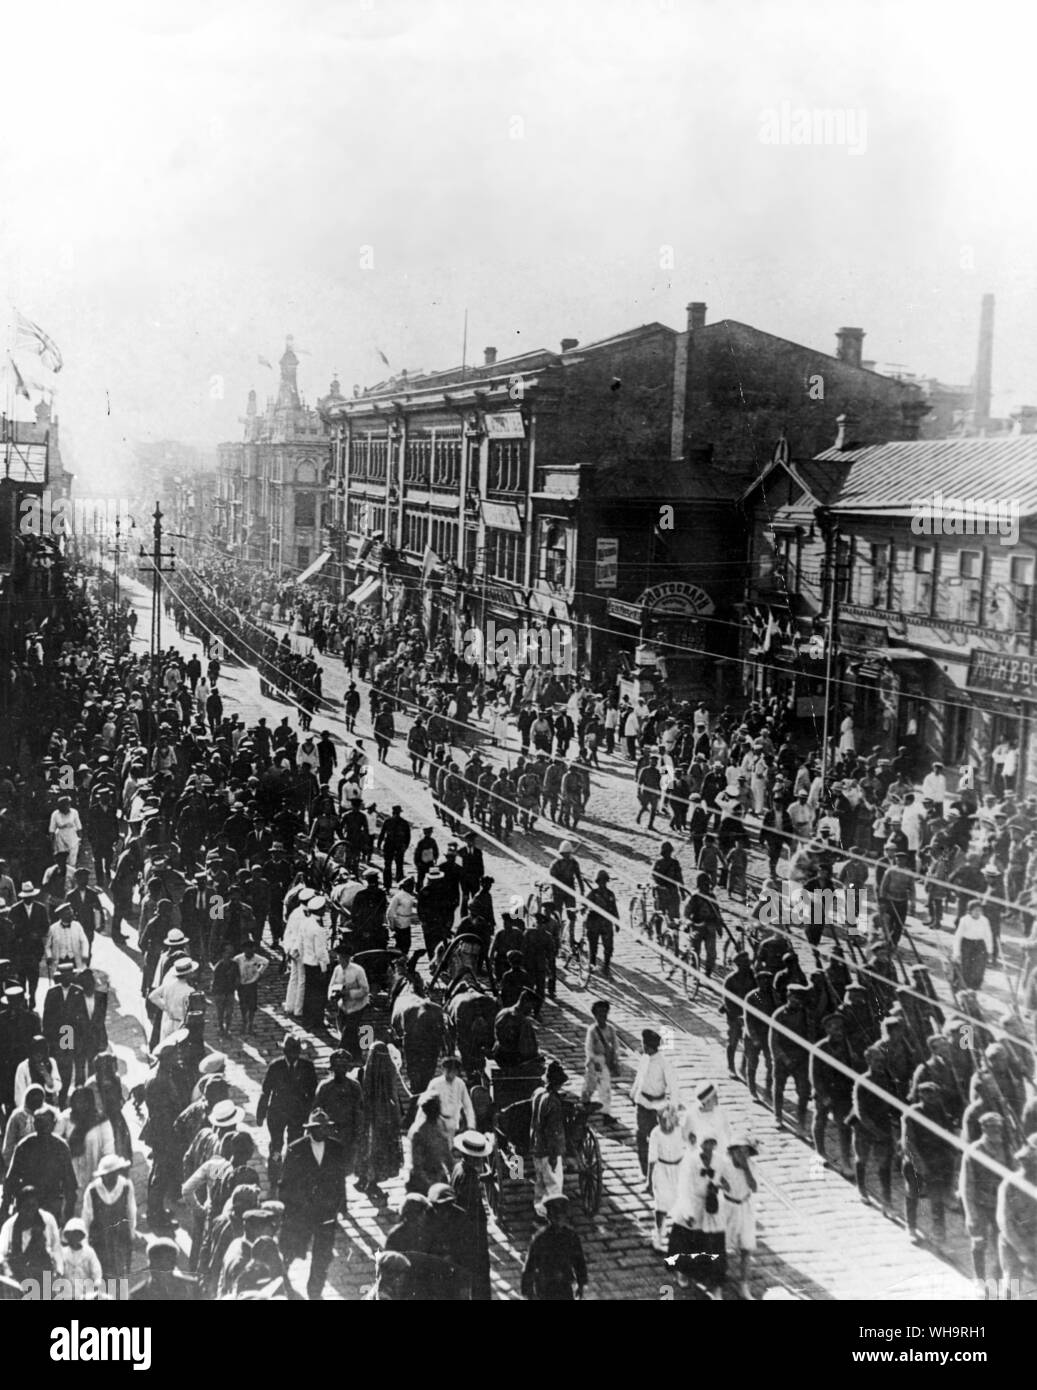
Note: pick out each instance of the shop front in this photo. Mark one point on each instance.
(1002, 693)
(664, 632)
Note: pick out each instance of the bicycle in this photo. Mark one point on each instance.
(574, 960)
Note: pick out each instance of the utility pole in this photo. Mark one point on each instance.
(831, 577)
(115, 577)
(157, 558)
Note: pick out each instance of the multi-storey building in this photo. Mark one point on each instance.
(917, 559)
(272, 484)
(594, 489)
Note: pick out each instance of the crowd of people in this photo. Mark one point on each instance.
(232, 853)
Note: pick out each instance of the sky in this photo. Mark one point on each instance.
(186, 184)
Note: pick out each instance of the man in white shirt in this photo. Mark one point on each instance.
(172, 995)
(912, 821)
(296, 915)
(350, 989)
(934, 788)
(655, 1085)
(455, 1104)
(801, 816)
(66, 940)
(315, 959)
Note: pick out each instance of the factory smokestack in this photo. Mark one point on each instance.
(984, 364)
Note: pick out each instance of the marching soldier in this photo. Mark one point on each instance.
(833, 1089)
(791, 1060)
(738, 983)
(873, 1121)
(758, 1032)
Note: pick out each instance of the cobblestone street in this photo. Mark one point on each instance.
(817, 1240)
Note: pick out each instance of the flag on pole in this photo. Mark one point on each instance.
(264, 363)
(32, 337)
(19, 381)
(430, 562)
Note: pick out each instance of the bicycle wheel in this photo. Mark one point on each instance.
(581, 964)
(692, 975)
(637, 914)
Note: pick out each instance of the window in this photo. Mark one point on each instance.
(1022, 593)
(305, 509)
(417, 461)
(970, 572)
(446, 458)
(879, 596)
(370, 452)
(843, 569)
(444, 537)
(415, 529)
(507, 471)
(553, 559)
(919, 580)
(504, 556)
(471, 549)
(302, 556)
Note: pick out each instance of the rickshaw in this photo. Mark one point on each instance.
(511, 1152)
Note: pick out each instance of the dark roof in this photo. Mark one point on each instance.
(892, 477)
(536, 358)
(910, 388)
(681, 482)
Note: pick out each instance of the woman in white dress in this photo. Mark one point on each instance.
(666, 1150)
(740, 1207)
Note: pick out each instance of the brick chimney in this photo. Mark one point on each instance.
(569, 343)
(489, 356)
(696, 316)
(849, 345)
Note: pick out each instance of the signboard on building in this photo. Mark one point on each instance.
(606, 563)
(505, 424)
(1012, 676)
(625, 612)
(502, 516)
(678, 598)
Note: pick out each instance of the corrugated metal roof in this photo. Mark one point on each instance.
(893, 477)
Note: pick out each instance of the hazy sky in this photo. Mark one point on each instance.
(185, 183)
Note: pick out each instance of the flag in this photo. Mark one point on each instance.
(430, 562)
(773, 630)
(19, 382)
(32, 337)
(264, 363)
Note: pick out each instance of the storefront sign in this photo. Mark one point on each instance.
(861, 637)
(677, 598)
(1014, 676)
(505, 424)
(509, 599)
(625, 612)
(502, 516)
(606, 563)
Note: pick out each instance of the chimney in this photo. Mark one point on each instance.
(696, 316)
(849, 345)
(984, 364)
(489, 357)
(569, 343)
(911, 413)
(1024, 420)
(844, 425)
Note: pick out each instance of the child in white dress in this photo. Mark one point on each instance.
(740, 1206)
(666, 1148)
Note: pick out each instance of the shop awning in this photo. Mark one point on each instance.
(365, 591)
(897, 654)
(318, 564)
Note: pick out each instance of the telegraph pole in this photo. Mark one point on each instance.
(158, 567)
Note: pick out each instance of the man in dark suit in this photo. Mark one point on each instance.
(165, 1283)
(43, 1161)
(66, 1026)
(313, 1189)
(96, 1039)
(87, 908)
(18, 1026)
(288, 1090)
(30, 923)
